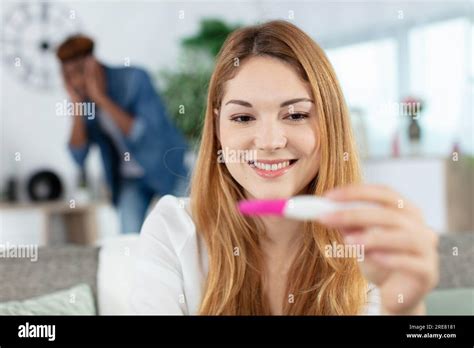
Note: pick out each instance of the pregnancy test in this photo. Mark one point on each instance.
(305, 207)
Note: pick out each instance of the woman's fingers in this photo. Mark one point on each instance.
(377, 194)
(406, 263)
(379, 239)
(421, 241)
(366, 217)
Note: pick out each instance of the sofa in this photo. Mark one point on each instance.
(108, 272)
(106, 269)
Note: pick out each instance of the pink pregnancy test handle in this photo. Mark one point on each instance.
(262, 207)
(305, 207)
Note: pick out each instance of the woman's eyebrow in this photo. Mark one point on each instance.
(294, 101)
(286, 103)
(239, 102)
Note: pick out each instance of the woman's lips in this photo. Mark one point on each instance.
(265, 173)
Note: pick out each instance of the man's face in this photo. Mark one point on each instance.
(74, 75)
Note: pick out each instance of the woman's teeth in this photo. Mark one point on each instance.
(271, 167)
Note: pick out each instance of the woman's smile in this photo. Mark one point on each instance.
(270, 169)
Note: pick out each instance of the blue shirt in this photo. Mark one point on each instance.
(154, 142)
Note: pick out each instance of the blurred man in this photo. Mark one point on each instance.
(142, 152)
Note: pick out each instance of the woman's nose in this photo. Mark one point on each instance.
(270, 136)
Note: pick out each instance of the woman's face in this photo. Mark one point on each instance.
(268, 111)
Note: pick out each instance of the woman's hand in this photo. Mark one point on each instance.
(401, 256)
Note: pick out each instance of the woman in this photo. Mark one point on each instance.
(273, 93)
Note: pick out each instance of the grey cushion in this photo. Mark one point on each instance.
(57, 268)
(456, 271)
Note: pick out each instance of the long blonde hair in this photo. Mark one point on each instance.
(319, 285)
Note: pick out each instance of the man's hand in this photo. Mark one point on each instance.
(73, 95)
(95, 80)
(96, 90)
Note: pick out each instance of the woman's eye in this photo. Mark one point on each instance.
(297, 116)
(242, 118)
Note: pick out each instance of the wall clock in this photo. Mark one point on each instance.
(30, 34)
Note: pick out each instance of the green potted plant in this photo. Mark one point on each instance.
(184, 89)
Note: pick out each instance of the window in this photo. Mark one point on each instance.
(367, 73)
(439, 73)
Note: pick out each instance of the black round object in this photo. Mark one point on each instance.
(44, 186)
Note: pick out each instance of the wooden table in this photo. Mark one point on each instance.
(79, 220)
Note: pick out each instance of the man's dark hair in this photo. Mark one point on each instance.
(76, 46)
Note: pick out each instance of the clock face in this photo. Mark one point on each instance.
(31, 32)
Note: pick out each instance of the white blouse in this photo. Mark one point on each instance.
(172, 263)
